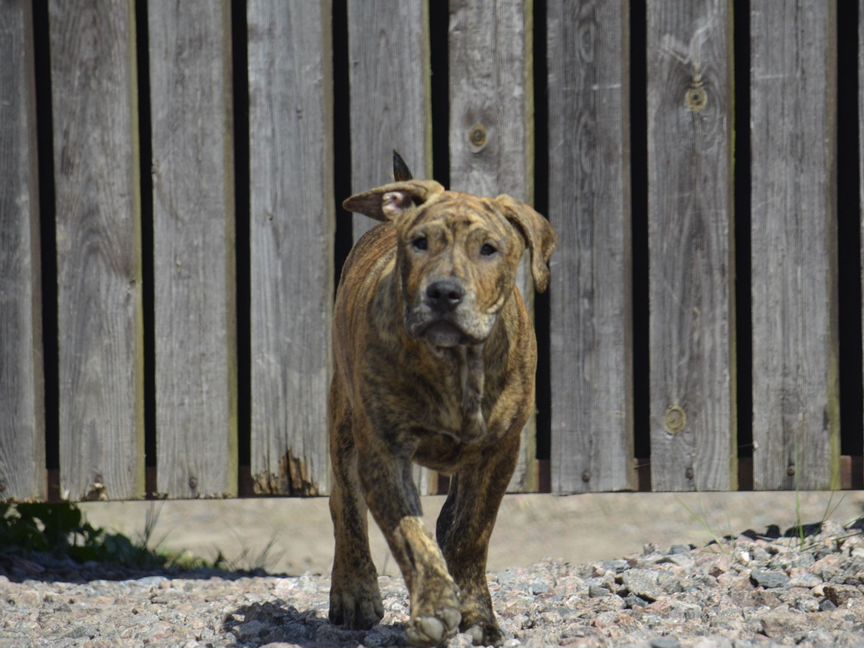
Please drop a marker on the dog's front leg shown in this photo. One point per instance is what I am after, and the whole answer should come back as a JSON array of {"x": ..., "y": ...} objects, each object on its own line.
[
  {"x": 355, "y": 600},
  {"x": 392, "y": 497},
  {"x": 464, "y": 528}
]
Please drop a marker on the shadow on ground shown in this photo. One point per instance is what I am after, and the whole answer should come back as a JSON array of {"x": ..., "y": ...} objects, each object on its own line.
[
  {"x": 18, "y": 566},
  {"x": 259, "y": 624}
]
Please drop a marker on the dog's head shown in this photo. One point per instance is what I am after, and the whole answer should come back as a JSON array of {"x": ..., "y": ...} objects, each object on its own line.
[{"x": 457, "y": 255}]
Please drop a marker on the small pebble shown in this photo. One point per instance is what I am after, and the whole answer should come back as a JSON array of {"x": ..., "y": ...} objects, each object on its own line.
[
  {"x": 597, "y": 591},
  {"x": 665, "y": 642},
  {"x": 827, "y": 605},
  {"x": 768, "y": 578}
]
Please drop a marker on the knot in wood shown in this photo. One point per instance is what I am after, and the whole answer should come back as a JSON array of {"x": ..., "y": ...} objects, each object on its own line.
[
  {"x": 790, "y": 470},
  {"x": 675, "y": 420},
  {"x": 478, "y": 137},
  {"x": 696, "y": 99},
  {"x": 586, "y": 476}
]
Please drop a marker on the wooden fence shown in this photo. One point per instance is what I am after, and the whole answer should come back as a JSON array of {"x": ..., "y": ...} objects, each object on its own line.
[{"x": 170, "y": 236}]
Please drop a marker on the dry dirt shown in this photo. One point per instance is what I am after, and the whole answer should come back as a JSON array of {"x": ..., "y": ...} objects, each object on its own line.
[{"x": 578, "y": 529}]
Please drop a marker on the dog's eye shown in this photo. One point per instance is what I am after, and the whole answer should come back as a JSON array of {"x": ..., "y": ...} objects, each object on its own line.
[
  {"x": 488, "y": 249},
  {"x": 420, "y": 243}
]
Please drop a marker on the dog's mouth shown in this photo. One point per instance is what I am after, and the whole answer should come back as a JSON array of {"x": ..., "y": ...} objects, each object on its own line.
[{"x": 444, "y": 333}]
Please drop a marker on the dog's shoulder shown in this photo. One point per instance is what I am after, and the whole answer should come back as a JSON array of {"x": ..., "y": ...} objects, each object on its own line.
[{"x": 374, "y": 247}]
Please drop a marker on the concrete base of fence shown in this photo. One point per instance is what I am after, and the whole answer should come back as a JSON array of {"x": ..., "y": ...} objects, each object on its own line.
[{"x": 579, "y": 528}]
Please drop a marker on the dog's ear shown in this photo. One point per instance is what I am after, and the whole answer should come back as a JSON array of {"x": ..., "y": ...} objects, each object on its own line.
[
  {"x": 401, "y": 172},
  {"x": 538, "y": 234},
  {"x": 391, "y": 201}
]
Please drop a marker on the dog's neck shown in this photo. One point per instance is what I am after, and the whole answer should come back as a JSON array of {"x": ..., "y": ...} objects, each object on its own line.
[
  {"x": 472, "y": 377},
  {"x": 468, "y": 361}
]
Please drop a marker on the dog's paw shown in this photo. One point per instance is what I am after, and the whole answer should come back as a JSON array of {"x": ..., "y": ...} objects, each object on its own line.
[
  {"x": 435, "y": 629},
  {"x": 484, "y": 634},
  {"x": 358, "y": 608}
]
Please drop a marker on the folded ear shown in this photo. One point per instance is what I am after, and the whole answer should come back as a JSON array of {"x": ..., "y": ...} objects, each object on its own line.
[
  {"x": 389, "y": 202},
  {"x": 538, "y": 234}
]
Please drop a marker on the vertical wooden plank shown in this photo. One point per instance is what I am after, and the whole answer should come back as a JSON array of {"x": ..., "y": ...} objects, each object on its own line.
[
  {"x": 690, "y": 224},
  {"x": 22, "y": 427},
  {"x": 589, "y": 205},
  {"x": 794, "y": 229},
  {"x": 292, "y": 222},
  {"x": 491, "y": 128},
  {"x": 193, "y": 213},
  {"x": 388, "y": 50},
  {"x": 98, "y": 249},
  {"x": 491, "y": 98},
  {"x": 390, "y": 100}
]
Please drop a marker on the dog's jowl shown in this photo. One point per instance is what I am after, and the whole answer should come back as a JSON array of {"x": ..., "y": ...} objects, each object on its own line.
[{"x": 434, "y": 356}]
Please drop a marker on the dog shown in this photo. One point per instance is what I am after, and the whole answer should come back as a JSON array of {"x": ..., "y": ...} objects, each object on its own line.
[{"x": 434, "y": 364}]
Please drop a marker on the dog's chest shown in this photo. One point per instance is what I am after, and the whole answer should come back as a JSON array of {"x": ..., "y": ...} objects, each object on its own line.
[{"x": 451, "y": 420}]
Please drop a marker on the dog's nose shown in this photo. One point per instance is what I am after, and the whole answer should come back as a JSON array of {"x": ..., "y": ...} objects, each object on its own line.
[{"x": 444, "y": 295}]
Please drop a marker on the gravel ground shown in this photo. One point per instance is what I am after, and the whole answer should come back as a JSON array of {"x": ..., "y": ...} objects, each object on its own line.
[{"x": 749, "y": 590}]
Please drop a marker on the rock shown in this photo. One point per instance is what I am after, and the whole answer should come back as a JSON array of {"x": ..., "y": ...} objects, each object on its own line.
[
  {"x": 800, "y": 578},
  {"x": 713, "y": 642},
  {"x": 644, "y": 583},
  {"x": 597, "y": 591},
  {"x": 827, "y": 605},
  {"x": 665, "y": 642},
  {"x": 742, "y": 557},
  {"x": 633, "y": 601},
  {"x": 539, "y": 587},
  {"x": 841, "y": 594},
  {"x": 807, "y": 604},
  {"x": 615, "y": 566},
  {"x": 783, "y": 623},
  {"x": 769, "y": 578},
  {"x": 151, "y": 581}
]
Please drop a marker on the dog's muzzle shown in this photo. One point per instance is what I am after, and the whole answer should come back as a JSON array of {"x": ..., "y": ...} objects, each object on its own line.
[{"x": 446, "y": 316}]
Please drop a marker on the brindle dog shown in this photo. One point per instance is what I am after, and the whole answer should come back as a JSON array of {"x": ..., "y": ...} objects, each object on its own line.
[{"x": 435, "y": 358}]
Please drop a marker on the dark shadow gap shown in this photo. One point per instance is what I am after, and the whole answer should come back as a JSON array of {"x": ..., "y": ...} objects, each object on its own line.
[
  {"x": 341, "y": 136},
  {"x": 243, "y": 299},
  {"x": 639, "y": 228},
  {"x": 541, "y": 204},
  {"x": 849, "y": 232},
  {"x": 439, "y": 63},
  {"x": 145, "y": 153},
  {"x": 439, "y": 70},
  {"x": 742, "y": 206},
  {"x": 48, "y": 242}
]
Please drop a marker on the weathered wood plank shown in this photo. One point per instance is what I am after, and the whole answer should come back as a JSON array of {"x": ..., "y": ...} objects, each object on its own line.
[
  {"x": 491, "y": 98},
  {"x": 794, "y": 278},
  {"x": 291, "y": 238},
  {"x": 390, "y": 100},
  {"x": 388, "y": 50},
  {"x": 589, "y": 205},
  {"x": 22, "y": 427},
  {"x": 690, "y": 225},
  {"x": 98, "y": 249},
  {"x": 491, "y": 129},
  {"x": 193, "y": 232}
]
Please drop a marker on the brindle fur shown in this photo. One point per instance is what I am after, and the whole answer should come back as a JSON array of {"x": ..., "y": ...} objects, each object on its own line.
[{"x": 453, "y": 397}]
